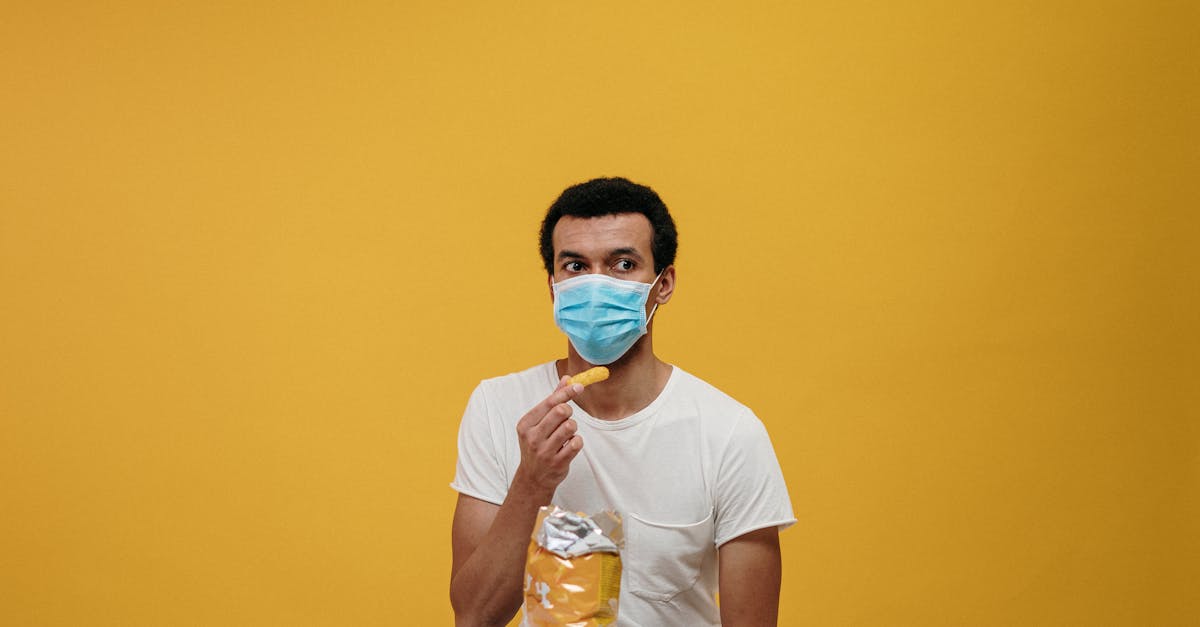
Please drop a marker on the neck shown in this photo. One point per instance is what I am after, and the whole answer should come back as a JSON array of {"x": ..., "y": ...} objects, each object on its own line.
[{"x": 634, "y": 381}]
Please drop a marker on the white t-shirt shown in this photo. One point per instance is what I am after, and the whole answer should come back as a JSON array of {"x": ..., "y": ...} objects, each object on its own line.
[{"x": 690, "y": 471}]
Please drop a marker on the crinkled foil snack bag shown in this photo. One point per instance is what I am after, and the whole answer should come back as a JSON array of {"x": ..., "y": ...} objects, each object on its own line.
[{"x": 573, "y": 570}]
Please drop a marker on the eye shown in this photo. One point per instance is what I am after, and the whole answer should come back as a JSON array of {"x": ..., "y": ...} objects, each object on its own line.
[
  {"x": 624, "y": 265},
  {"x": 573, "y": 266}
]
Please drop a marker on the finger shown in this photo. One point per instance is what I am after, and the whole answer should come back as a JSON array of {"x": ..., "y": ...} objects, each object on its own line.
[
  {"x": 563, "y": 393},
  {"x": 569, "y": 449},
  {"x": 564, "y": 433},
  {"x": 552, "y": 421},
  {"x": 535, "y": 414}
]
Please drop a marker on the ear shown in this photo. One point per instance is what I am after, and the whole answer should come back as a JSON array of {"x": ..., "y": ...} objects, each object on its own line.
[
  {"x": 666, "y": 285},
  {"x": 550, "y": 286}
]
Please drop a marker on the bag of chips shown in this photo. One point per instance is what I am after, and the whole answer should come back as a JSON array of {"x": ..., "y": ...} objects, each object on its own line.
[{"x": 573, "y": 570}]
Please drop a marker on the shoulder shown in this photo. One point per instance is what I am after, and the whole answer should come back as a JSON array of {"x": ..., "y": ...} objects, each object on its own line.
[
  {"x": 706, "y": 397},
  {"x": 535, "y": 377},
  {"x": 730, "y": 428},
  {"x": 520, "y": 389},
  {"x": 720, "y": 413}
]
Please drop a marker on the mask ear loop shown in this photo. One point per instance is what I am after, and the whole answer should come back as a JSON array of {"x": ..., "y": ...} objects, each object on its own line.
[{"x": 655, "y": 307}]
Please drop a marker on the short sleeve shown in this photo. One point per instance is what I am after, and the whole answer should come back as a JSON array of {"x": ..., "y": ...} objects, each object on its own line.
[
  {"x": 750, "y": 491},
  {"x": 479, "y": 472}
]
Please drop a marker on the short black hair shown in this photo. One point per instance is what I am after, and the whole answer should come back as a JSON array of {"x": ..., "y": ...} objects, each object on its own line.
[{"x": 611, "y": 196}]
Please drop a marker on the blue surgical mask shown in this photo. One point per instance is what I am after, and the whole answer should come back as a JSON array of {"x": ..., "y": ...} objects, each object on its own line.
[{"x": 602, "y": 316}]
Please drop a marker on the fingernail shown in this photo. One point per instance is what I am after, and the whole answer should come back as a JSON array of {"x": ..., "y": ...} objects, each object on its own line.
[{"x": 576, "y": 388}]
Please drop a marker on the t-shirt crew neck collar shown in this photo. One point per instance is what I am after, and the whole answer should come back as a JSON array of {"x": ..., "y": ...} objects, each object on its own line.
[{"x": 639, "y": 416}]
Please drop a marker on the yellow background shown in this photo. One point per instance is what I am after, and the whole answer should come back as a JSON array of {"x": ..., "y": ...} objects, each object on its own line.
[{"x": 254, "y": 256}]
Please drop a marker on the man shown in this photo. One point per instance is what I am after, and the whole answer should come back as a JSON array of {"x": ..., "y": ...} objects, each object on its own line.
[{"x": 691, "y": 470}]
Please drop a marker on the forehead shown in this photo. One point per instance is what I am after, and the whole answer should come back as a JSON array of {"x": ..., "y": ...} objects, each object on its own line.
[{"x": 603, "y": 233}]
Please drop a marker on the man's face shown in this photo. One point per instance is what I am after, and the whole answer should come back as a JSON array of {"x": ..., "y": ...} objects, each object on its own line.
[{"x": 617, "y": 245}]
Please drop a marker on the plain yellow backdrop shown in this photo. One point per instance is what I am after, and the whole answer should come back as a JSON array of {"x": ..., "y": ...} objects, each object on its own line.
[{"x": 254, "y": 256}]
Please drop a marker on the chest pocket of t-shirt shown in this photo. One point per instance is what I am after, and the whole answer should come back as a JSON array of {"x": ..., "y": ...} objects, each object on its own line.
[{"x": 661, "y": 560}]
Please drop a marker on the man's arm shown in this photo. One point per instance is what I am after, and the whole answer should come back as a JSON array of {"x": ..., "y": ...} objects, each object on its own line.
[
  {"x": 750, "y": 571},
  {"x": 489, "y": 542}
]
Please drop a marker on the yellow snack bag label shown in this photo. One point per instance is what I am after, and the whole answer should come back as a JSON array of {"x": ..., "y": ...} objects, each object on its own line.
[{"x": 572, "y": 573}]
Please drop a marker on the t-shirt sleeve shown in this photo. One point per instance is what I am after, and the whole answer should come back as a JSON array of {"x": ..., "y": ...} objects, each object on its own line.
[
  {"x": 479, "y": 472},
  {"x": 750, "y": 490}
]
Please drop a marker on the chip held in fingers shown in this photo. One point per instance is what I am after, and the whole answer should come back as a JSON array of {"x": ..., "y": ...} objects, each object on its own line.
[{"x": 590, "y": 376}]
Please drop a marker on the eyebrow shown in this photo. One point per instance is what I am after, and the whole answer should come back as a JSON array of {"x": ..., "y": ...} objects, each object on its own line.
[
  {"x": 616, "y": 252},
  {"x": 627, "y": 250}
]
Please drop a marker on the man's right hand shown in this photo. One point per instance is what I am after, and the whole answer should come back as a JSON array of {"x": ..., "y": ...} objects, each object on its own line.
[
  {"x": 490, "y": 541},
  {"x": 548, "y": 439}
]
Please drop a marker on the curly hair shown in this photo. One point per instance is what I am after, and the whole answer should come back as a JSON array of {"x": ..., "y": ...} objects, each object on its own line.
[{"x": 610, "y": 196}]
